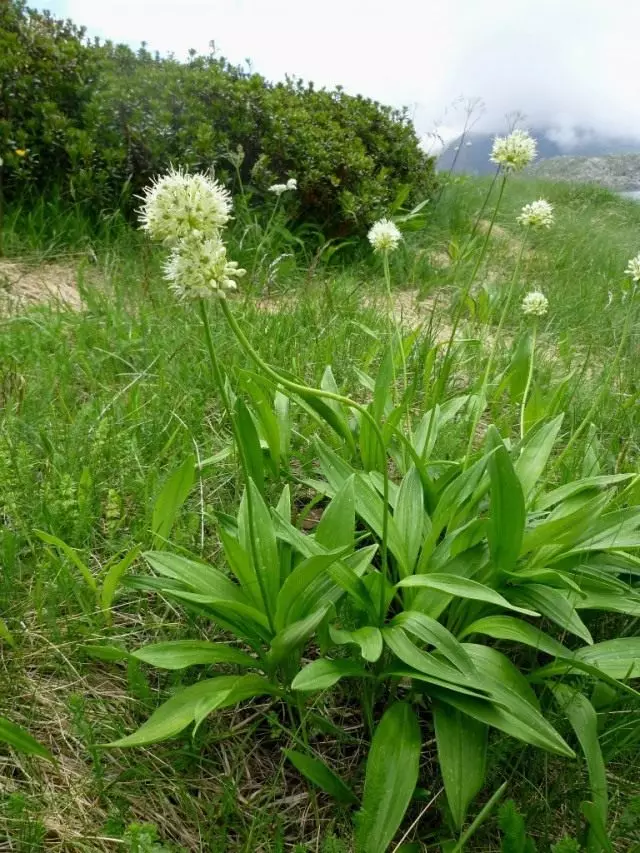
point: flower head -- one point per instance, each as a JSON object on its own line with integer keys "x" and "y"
{"x": 292, "y": 184}
{"x": 178, "y": 204}
{"x": 538, "y": 214}
{"x": 198, "y": 268}
{"x": 278, "y": 189}
{"x": 384, "y": 236}
{"x": 21, "y": 152}
{"x": 514, "y": 152}
{"x": 633, "y": 269}
{"x": 535, "y": 304}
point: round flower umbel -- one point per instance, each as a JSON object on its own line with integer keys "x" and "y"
{"x": 292, "y": 184}
{"x": 633, "y": 269}
{"x": 179, "y": 204}
{"x": 538, "y": 214}
{"x": 512, "y": 153}
{"x": 384, "y": 236}
{"x": 535, "y": 304}
{"x": 198, "y": 268}
{"x": 278, "y": 189}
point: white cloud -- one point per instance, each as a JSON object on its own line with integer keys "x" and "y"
{"x": 564, "y": 62}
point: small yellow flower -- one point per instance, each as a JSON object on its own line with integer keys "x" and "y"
{"x": 21, "y": 152}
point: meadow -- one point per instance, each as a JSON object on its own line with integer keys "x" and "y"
{"x": 117, "y": 438}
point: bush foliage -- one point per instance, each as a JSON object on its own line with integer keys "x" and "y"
{"x": 97, "y": 121}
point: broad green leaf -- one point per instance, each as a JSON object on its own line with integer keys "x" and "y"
{"x": 265, "y": 414}
{"x": 22, "y": 741}
{"x": 501, "y": 678}
{"x": 243, "y": 687}
{"x": 324, "y": 673}
{"x": 519, "y": 720}
{"x": 614, "y": 530}
{"x": 434, "y": 633}
{"x": 510, "y": 628}
{"x": 507, "y": 511}
{"x": 347, "y": 580}
{"x": 251, "y": 449}
{"x": 406, "y": 651}
{"x": 565, "y": 529}
{"x": 171, "y": 498}
{"x": 597, "y": 828}
{"x": 562, "y": 493}
{"x": 71, "y": 554}
{"x": 176, "y": 713}
{"x": 535, "y": 453}
{"x": 554, "y": 604}
{"x": 266, "y": 549}
{"x": 294, "y": 635}
{"x": 113, "y": 577}
{"x": 410, "y": 514}
{"x": 337, "y": 525}
{"x": 611, "y": 602}
{"x": 368, "y": 638}
{"x": 336, "y": 420}
{"x": 390, "y": 778}
{"x": 281, "y": 409}
{"x": 241, "y": 565}
{"x": 463, "y": 588}
{"x": 305, "y": 587}
{"x": 180, "y": 654}
{"x": 619, "y": 658}
{"x": 584, "y": 721}
{"x": 200, "y": 577}
{"x": 322, "y": 776}
{"x": 462, "y": 752}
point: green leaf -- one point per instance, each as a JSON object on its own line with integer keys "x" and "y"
{"x": 242, "y": 567}
{"x": 368, "y": 638}
{"x": 266, "y": 548}
{"x": 433, "y": 633}
{"x": 243, "y": 687}
{"x": 21, "y": 740}
{"x": 566, "y": 528}
{"x": 463, "y": 588}
{"x": 562, "y": 493}
{"x": 251, "y": 448}
{"x": 510, "y": 628}
{"x": 176, "y": 713}
{"x": 305, "y": 588}
{"x": 507, "y": 511}
{"x": 390, "y": 779}
{"x": 172, "y": 496}
{"x": 584, "y": 721}
{"x": 5, "y": 634}
{"x": 554, "y": 604}
{"x": 71, "y": 554}
{"x": 200, "y": 577}
{"x": 322, "y": 776}
{"x": 410, "y": 514}
{"x": 113, "y": 577}
{"x": 597, "y": 826}
{"x": 619, "y": 658}
{"x": 268, "y": 420}
{"x": 294, "y": 635}
{"x": 180, "y": 654}
{"x": 323, "y": 673}
{"x": 424, "y": 662}
{"x": 535, "y": 453}
{"x": 337, "y": 525}
{"x": 462, "y": 752}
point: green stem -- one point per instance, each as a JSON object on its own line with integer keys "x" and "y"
{"x": 529, "y": 378}
{"x": 219, "y": 380}
{"x": 604, "y": 387}
{"x": 265, "y": 235}
{"x": 302, "y": 390}
{"x": 467, "y": 288}
{"x": 494, "y": 345}
{"x": 395, "y": 325}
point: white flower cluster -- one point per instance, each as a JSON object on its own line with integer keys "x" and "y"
{"x": 538, "y": 214}
{"x": 514, "y": 152}
{"x": 278, "y": 189}
{"x": 177, "y": 204}
{"x": 535, "y": 304}
{"x": 633, "y": 269}
{"x": 187, "y": 213}
{"x": 384, "y": 236}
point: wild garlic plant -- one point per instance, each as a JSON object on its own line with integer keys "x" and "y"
{"x": 466, "y": 581}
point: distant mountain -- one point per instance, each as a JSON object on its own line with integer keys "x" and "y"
{"x": 471, "y": 154}
{"x": 620, "y": 172}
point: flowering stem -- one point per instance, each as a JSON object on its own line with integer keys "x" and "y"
{"x": 603, "y": 388}
{"x": 265, "y": 235}
{"x": 529, "y": 378}
{"x": 494, "y": 345}
{"x": 219, "y": 380}
{"x": 465, "y": 293}
{"x": 302, "y": 390}
{"x": 398, "y": 333}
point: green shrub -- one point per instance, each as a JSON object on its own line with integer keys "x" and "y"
{"x": 97, "y": 121}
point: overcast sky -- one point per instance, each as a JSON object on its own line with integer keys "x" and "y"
{"x": 564, "y": 63}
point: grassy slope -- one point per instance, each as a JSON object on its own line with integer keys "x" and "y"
{"x": 99, "y": 407}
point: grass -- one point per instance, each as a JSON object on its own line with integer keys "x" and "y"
{"x": 100, "y": 406}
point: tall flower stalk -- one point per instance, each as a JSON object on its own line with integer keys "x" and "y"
{"x": 536, "y": 305}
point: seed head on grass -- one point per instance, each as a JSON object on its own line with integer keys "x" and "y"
{"x": 198, "y": 268}
{"x": 535, "y": 304}
{"x": 514, "y": 152}
{"x": 633, "y": 269}
{"x": 538, "y": 214}
{"x": 179, "y": 204}
{"x": 384, "y": 236}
